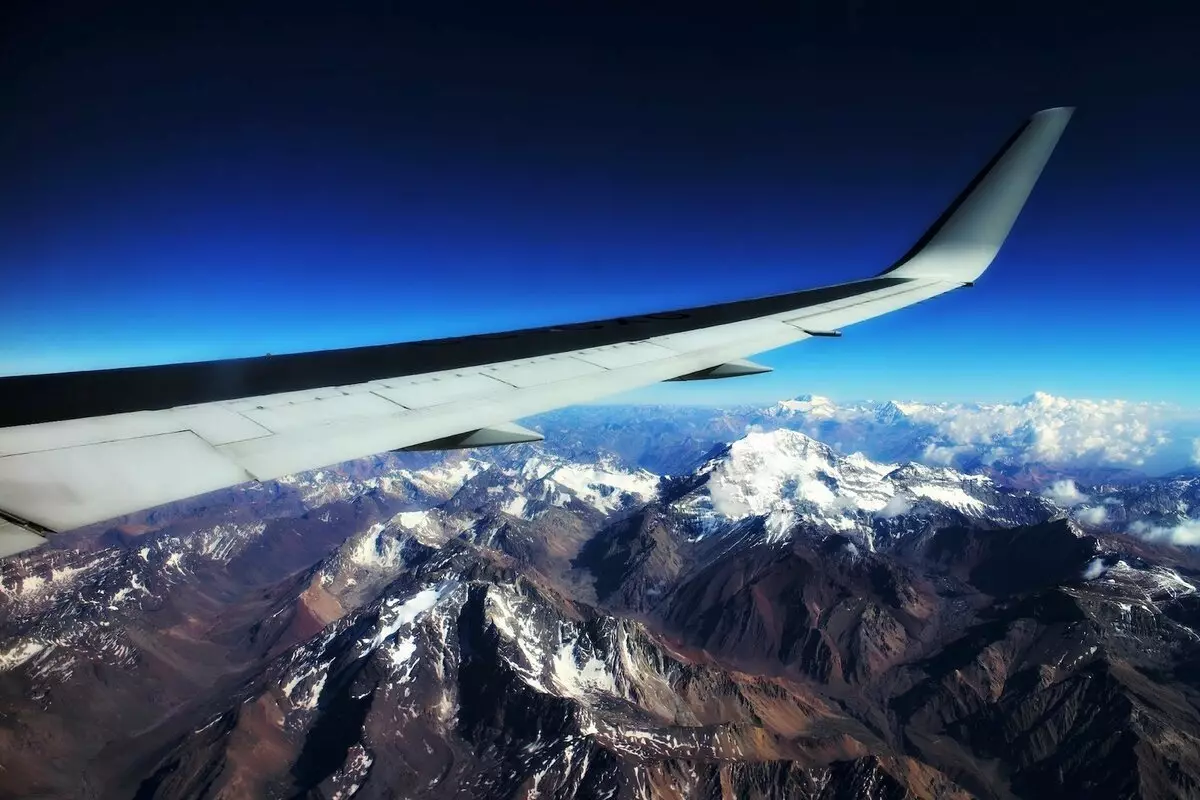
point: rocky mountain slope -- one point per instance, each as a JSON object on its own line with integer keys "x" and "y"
{"x": 776, "y": 620}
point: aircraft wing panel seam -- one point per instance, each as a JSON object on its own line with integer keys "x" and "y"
{"x": 884, "y": 303}
{"x": 284, "y": 454}
{"x": 912, "y": 287}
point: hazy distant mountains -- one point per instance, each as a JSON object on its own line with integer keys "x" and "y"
{"x": 659, "y": 604}
{"x": 1040, "y": 432}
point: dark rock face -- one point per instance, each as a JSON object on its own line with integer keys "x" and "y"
{"x": 583, "y": 630}
{"x": 636, "y": 559}
{"x": 1014, "y": 560}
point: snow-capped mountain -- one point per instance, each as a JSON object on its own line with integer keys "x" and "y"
{"x": 1160, "y": 509}
{"x": 794, "y": 482}
{"x": 465, "y": 674}
{"x": 530, "y": 483}
{"x": 410, "y": 661}
{"x": 390, "y": 476}
{"x": 1027, "y": 443}
{"x": 770, "y": 617}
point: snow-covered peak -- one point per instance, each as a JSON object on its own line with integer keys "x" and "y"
{"x": 531, "y": 488}
{"x": 889, "y": 413}
{"x": 775, "y": 474}
{"x": 1043, "y": 399}
{"x": 806, "y": 404}
{"x": 772, "y": 455}
{"x": 446, "y": 478}
{"x": 604, "y": 487}
{"x": 1155, "y": 582}
{"x": 438, "y": 481}
{"x": 790, "y": 479}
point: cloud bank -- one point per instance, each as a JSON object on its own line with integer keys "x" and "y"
{"x": 1094, "y": 515}
{"x": 1041, "y": 429}
{"x": 1184, "y": 533}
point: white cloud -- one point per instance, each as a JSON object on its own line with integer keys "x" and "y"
{"x": 1055, "y": 430}
{"x": 1185, "y": 533}
{"x": 1094, "y": 569}
{"x": 943, "y": 455}
{"x": 1065, "y": 494}
{"x": 727, "y": 499}
{"x": 1092, "y": 515}
{"x": 1041, "y": 428}
{"x": 894, "y": 508}
{"x": 1196, "y": 451}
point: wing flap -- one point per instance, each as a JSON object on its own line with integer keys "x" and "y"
{"x": 215, "y": 423}
{"x": 76, "y": 486}
{"x": 15, "y": 539}
{"x": 483, "y": 437}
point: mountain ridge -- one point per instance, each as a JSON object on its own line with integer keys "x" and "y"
{"x": 413, "y": 629}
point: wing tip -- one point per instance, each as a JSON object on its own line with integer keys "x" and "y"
{"x": 964, "y": 240}
{"x": 1055, "y": 111}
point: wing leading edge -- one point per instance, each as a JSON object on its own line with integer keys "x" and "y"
{"x": 83, "y": 447}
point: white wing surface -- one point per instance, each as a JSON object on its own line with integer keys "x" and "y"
{"x": 83, "y": 447}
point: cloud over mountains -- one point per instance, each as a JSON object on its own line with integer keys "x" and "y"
{"x": 1065, "y": 493}
{"x": 1041, "y": 429}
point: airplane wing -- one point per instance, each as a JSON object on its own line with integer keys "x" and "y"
{"x": 83, "y": 447}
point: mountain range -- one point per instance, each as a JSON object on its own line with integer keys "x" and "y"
{"x": 1094, "y": 439}
{"x": 649, "y": 604}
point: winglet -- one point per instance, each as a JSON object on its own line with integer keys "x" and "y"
{"x": 966, "y": 237}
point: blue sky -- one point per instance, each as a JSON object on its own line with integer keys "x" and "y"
{"x": 236, "y": 200}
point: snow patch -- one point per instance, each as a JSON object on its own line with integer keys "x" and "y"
{"x": 400, "y": 652}
{"x": 515, "y": 507}
{"x": 603, "y": 485}
{"x": 396, "y": 614}
{"x": 952, "y": 496}
{"x": 504, "y": 610}
{"x": 578, "y": 680}
{"x": 134, "y": 586}
{"x": 18, "y": 655}
{"x": 411, "y": 519}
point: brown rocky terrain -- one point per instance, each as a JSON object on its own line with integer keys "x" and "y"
{"x": 515, "y": 633}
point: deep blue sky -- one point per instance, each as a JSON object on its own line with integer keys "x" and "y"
{"x": 182, "y": 186}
